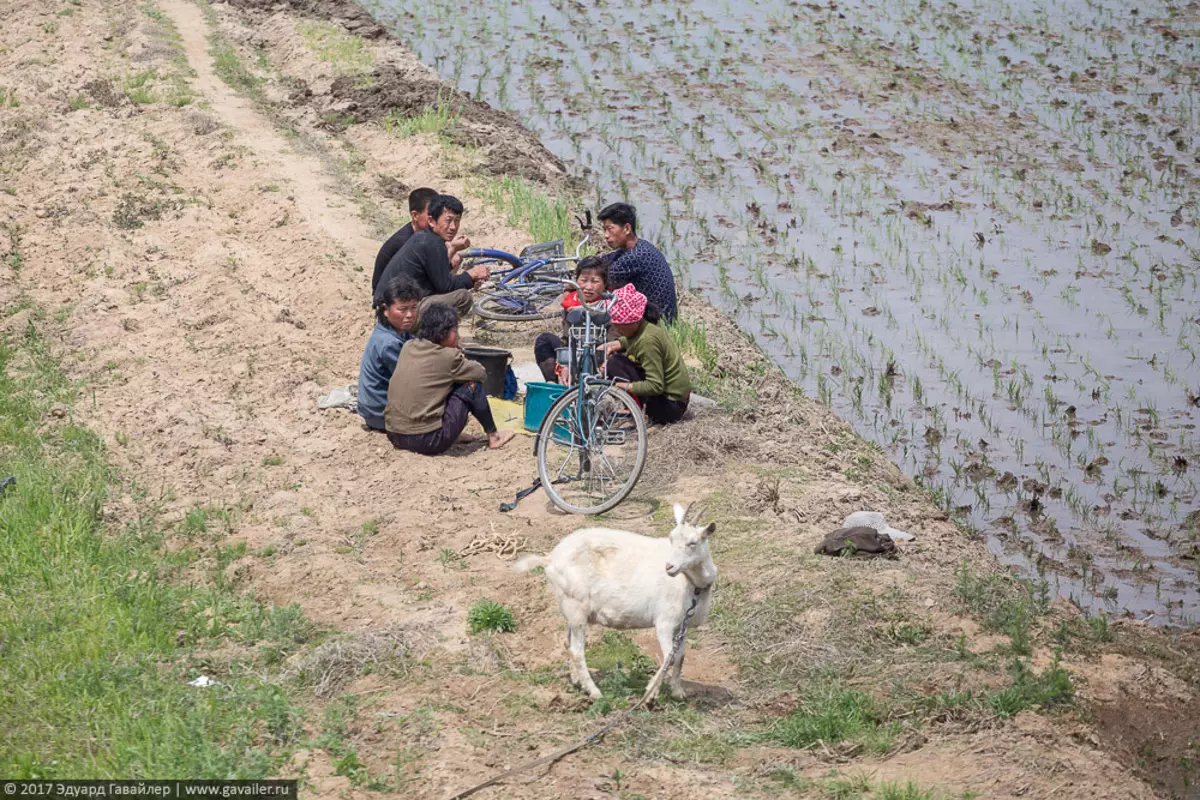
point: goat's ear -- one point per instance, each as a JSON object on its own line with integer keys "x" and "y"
{"x": 680, "y": 511}
{"x": 709, "y": 529}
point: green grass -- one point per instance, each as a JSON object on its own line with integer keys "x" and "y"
{"x": 856, "y": 786}
{"x": 831, "y": 715}
{"x": 435, "y": 119}
{"x": 15, "y": 257}
{"x": 98, "y": 638}
{"x": 1002, "y": 602}
{"x": 346, "y": 53}
{"x": 488, "y": 615}
{"x": 1032, "y": 689}
{"x": 230, "y": 69}
{"x": 692, "y": 340}
{"x": 8, "y": 98}
{"x": 546, "y": 218}
{"x": 624, "y": 669}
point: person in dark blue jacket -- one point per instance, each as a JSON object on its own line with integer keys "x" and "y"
{"x": 396, "y": 312}
{"x": 636, "y": 261}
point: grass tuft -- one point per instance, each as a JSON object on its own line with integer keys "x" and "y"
{"x": 488, "y": 615}
{"x": 346, "y": 53}
{"x": 831, "y": 715}
{"x": 545, "y": 217}
{"x": 436, "y": 119}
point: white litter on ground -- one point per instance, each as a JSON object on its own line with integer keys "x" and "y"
{"x": 874, "y": 519}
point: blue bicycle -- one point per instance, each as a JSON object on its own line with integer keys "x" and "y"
{"x": 526, "y": 286}
{"x": 591, "y": 446}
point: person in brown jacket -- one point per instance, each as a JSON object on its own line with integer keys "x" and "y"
{"x": 434, "y": 388}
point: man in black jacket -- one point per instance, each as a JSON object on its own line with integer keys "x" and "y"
{"x": 418, "y": 209}
{"x": 427, "y": 260}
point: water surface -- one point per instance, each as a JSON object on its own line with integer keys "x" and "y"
{"x": 971, "y": 227}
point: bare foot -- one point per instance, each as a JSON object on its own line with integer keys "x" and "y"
{"x": 499, "y": 439}
{"x": 466, "y": 438}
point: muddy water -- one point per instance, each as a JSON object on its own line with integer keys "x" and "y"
{"x": 971, "y": 227}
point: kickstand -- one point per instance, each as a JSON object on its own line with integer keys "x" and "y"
{"x": 521, "y": 495}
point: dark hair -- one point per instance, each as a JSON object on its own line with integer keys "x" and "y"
{"x": 444, "y": 202}
{"x": 437, "y": 321}
{"x": 620, "y": 214}
{"x": 593, "y": 264}
{"x": 400, "y": 287}
{"x": 652, "y": 314}
{"x": 419, "y": 199}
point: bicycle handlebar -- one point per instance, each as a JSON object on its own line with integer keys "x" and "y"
{"x": 589, "y": 309}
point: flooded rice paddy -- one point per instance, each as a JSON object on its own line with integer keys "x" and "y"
{"x": 971, "y": 227}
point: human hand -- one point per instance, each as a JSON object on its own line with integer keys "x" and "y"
{"x": 478, "y": 273}
{"x": 460, "y": 242}
{"x": 611, "y": 347}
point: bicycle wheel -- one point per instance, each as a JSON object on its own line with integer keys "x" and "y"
{"x": 519, "y": 306}
{"x": 591, "y": 449}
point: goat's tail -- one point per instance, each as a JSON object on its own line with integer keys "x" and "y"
{"x": 530, "y": 563}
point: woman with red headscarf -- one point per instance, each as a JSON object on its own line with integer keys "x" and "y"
{"x": 645, "y": 360}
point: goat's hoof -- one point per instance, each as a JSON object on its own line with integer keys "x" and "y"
{"x": 677, "y": 693}
{"x": 594, "y": 693}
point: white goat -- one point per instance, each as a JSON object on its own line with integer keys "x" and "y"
{"x": 623, "y": 580}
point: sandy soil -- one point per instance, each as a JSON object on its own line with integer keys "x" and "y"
{"x": 206, "y": 268}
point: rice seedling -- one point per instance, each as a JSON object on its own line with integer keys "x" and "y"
{"x": 693, "y": 153}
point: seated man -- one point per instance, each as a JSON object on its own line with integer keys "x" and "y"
{"x": 645, "y": 361}
{"x": 418, "y": 209}
{"x": 637, "y": 261}
{"x": 435, "y": 387}
{"x": 395, "y": 321}
{"x": 426, "y": 259}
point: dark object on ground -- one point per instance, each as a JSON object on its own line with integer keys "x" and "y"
{"x": 5, "y": 483}
{"x": 857, "y": 543}
{"x": 521, "y": 495}
{"x": 510, "y": 384}
{"x": 495, "y": 361}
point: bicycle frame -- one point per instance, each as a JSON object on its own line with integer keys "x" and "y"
{"x": 583, "y": 371}
{"x": 520, "y": 269}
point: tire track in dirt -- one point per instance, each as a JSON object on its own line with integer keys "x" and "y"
{"x": 323, "y": 209}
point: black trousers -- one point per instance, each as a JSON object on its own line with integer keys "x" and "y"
{"x": 544, "y": 347}
{"x": 466, "y": 398}
{"x": 658, "y": 408}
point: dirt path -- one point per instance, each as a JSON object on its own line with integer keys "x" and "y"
{"x": 305, "y": 174}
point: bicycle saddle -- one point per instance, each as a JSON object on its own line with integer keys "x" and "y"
{"x": 575, "y": 317}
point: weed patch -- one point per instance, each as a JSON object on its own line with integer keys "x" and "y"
{"x": 435, "y": 119}
{"x": 488, "y": 615}
{"x": 832, "y": 715}
{"x": 345, "y": 53}
{"x": 95, "y": 619}
{"x": 1003, "y": 603}
{"x": 545, "y": 217}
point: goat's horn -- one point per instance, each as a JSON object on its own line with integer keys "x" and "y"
{"x": 695, "y": 511}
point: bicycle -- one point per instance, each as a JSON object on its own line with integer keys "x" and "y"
{"x": 531, "y": 285}
{"x": 591, "y": 446}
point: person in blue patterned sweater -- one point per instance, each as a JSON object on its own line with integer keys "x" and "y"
{"x": 637, "y": 261}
